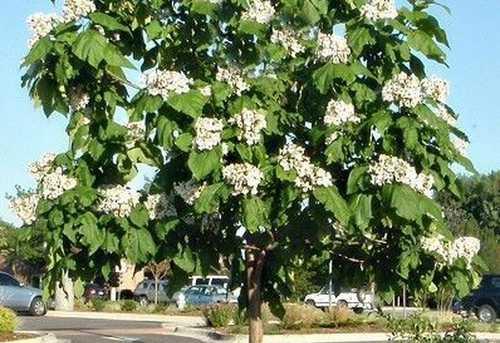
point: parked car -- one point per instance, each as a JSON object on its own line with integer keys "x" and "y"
{"x": 212, "y": 280}
{"x": 18, "y": 297}
{"x": 201, "y": 295}
{"x": 145, "y": 292}
{"x": 95, "y": 291}
{"x": 484, "y": 301}
{"x": 356, "y": 299}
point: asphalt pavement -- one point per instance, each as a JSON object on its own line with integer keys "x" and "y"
{"x": 78, "y": 330}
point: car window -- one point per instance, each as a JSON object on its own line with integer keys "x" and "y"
{"x": 219, "y": 281}
{"x": 6, "y": 280}
{"x": 201, "y": 281}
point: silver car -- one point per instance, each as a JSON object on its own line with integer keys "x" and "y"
{"x": 18, "y": 297}
{"x": 145, "y": 292}
{"x": 201, "y": 295}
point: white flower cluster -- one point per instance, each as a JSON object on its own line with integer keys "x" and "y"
{"x": 292, "y": 158}
{"x": 379, "y": 10}
{"x": 460, "y": 145}
{"x": 189, "y": 191}
{"x": 206, "y": 91}
{"x": 166, "y": 82}
{"x": 54, "y": 184}
{"x": 118, "y": 200}
{"x": 159, "y": 206}
{"x": 244, "y": 177}
{"x": 332, "y": 48}
{"x": 76, "y": 9}
{"x": 444, "y": 114}
{"x": 260, "y": 11}
{"x": 390, "y": 169}
{"x": 436, "y": 88}
{"x": 250, "y": 123}
{"x": 78, "y": 99}
{"x": 41, "y": 25}
{"x": 25, "y": 207}
{"x": 234, "y": 78}
{"x": 288, "y": 39}
{"x": 137, "y": 130}
{"x": 340, "y": 112}
{"x": 404, "y": 90}
{"x": 208, "y": 133}
{"x": 449, "y": 252}
{"x": 40, "y": 168}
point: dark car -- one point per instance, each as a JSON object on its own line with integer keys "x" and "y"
{"x": 94, "y": 291}
{"x": 484, "y": 301}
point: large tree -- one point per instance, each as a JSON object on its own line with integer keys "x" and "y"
{"x": 279, "y": 130}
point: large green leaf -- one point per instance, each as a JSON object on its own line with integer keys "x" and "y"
{"x": 333, "y": 201}
{"x": 356, "y": 178}
{"x": 108, "y": 22}
{"x": 203, "y": 163}
{"x": 139, "y": 216}
{"x": 90, "y": 46}
{"x": 185, "y": 260}
{"x": 39, "y": 51}
{"x": 165, "y": 131}
{"x": 190, "y": 103}
{"x": 323, "y": 77}
{"x": 361, "y": 206}
{"x": 210, "y": 197}
{"x": 255, "y": 214}
{"x": 403, "y": 199}
{"x": 138, "y": 245}
{"x": 359, "y": 38}
{"x": 93, "y": 236}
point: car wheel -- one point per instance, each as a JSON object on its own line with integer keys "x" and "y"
{"x": 143, "y": 301}
{"x": 38, "y": 307}
{"x": 342, "y": 303}
{"x": 311, "y": 303}
{"x": 486, "y": 313}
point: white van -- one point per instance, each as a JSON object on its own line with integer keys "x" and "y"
{"x": 212, "y": 280}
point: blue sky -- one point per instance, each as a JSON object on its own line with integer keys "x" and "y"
{"x": 474, "y": 74}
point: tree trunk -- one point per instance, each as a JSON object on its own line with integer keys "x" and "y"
{"x": 255, "y": 260}
{"x": 157, "y": 281}
{"x": 65, "y": 294}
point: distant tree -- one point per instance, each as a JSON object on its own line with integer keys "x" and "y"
{"x": 159, "y": 270}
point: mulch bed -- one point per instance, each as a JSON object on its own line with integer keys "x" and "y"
{"x": 9, "y": 337}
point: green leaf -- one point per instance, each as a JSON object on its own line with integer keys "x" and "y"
{"x": 162, "y": 229}
{"x": 209, "y": 199}
{"x": 203, "y": 7}
{"x": 108, "y": 22}
{"x": 165, "y": 131}
{"x": 111, "y": 243}
{"x": 403, "y": 199}
{"x": 114, "y": 57}
{"x": 355, "y": 181}
{"x": 56, "y": 218}
{"x": 323, "y": 77}
{"x": 255, "y": 214}
{"x": 190, "y": 103}
{"x": 359, "y": 38}
{"x": 361, "y": 206}
{"x": 138, "y": 245}
{"x": 425, "y": 44}
{"x": 203, "y": 163}
{"x": 38, "y": 52}
{"x": 185, "y": 260}
{"x": 139, "y": 216}
{"x": 252, "y": 27}
{"x": 93, "y": 237}
{"x": 333, "y": 201}
{"x": 184, "y": 142}
{"x": 90, "y": 46}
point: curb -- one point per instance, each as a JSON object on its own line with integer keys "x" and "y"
{"x": 45, "y": 338}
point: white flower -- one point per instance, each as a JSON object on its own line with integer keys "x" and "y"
{"x": 332, "y": 48}
{"x": 288, "y": 39}
{"x": 260, "y": 11}
{"x": 137, "y": 130}
{"x": 340, "y": 112}
{"x": 118, "y": 200}
{"x": 390, "y": 169}
{"x": 206, "y": 91}
{"x": 466, "y": 248}
{"x": 208, "y": 133}
{"x": 234, "y": 78}
{"x": 444, "y": 114}
{"x": 449, "y": 252}
{"x": 25, "y": 207}
{"x": 78, "y": 99}
{"x": 159, "y": 206}
{"x": 166, "y": 82}
{"x": 436, "y": 88}
{"x": 40, "y": 168}
{"x": 189, "y": 191}
{"x": 460, "y": 145}
{"x": 76, "y": 9}
{"x": 250, "y": 123}
{"x": 244, "y": 177}
{"x": 403, "y": 90}
{"x": 54, "y": 184}
{"x": 292, "y": 158}
{"x": 41, "y": 25}
{"x": 379, "y": 10}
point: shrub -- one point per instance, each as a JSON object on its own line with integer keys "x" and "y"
{"x": 240, "y": 317}
{"x": 339, "y": 316}
{"x": 112, "y": 306}
{"x": 219, "y": 315}
{"x": 160, "y": 308}
{"x": 299, "y": 316}
{"x": 98, "y": 304}
{"x": 129, "y": 305}
{"x": 8, "y": 320}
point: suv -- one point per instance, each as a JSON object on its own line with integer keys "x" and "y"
{"x": 20, "y": 298}
{"x": 145, "y": 292}
{"x": 484, "y": 301}
{"x": 358, "y": 300}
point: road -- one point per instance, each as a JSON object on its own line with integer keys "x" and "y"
{"x": 79, "y": 330}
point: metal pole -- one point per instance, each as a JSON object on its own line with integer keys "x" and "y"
{"x": 330, "y": 284}
{"x": 404, "y": 301}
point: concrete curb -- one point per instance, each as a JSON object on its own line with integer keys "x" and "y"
{"x": 189, "y": 321}
{"x": 44, "y": 338}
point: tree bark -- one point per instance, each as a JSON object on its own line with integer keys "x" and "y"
{"x": 157, "y": 281}
{"x": 65, "y": 294}
{"x": 255, "y": 260}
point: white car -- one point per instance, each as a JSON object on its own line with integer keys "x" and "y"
{"x": 358, "y": 300}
